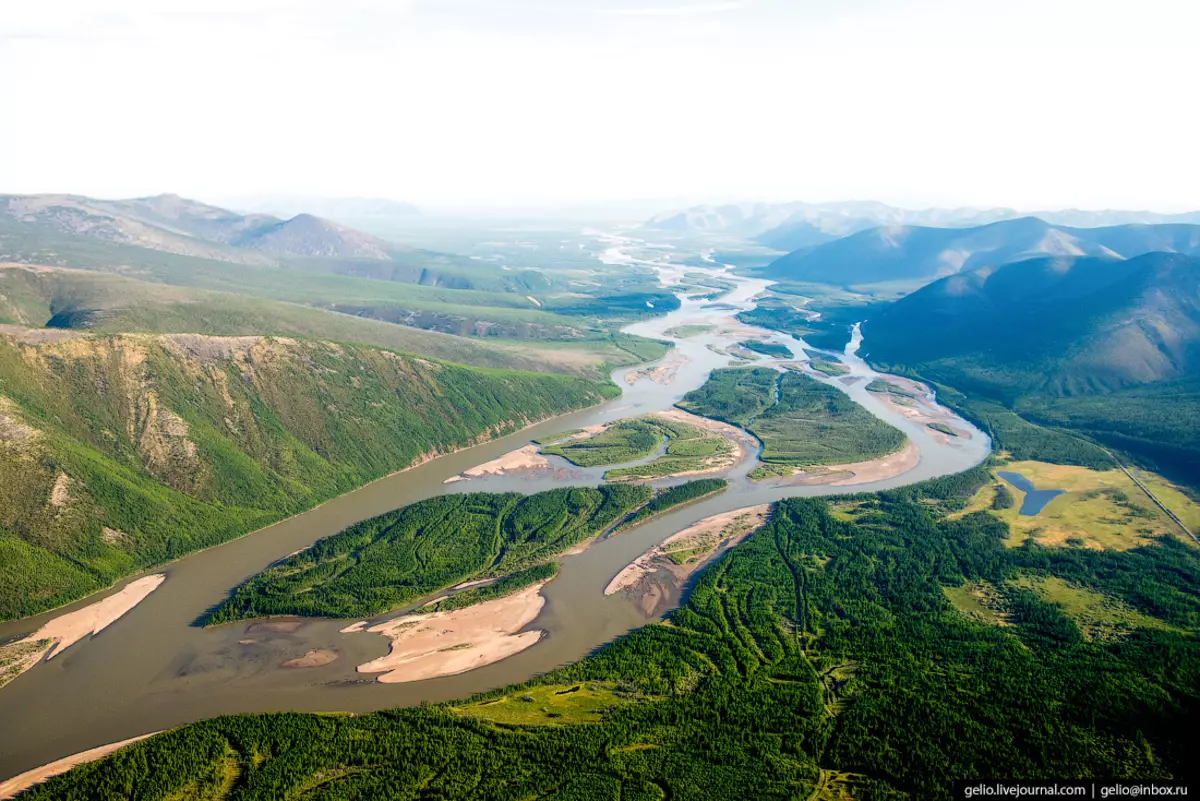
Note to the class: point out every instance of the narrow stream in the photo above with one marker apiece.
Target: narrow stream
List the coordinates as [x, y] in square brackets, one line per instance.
[153, 669]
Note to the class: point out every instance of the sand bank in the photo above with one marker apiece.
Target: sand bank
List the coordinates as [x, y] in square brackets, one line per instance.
[741, 441]
[447, 643]
[65, 630]
[888, 466]
[921, 410]
[19, 784]
[526, 458]
[315, 657]
[661, 374]
[354, 627]
[684, 552]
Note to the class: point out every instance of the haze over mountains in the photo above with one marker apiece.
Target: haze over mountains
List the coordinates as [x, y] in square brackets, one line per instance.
[187, 227]
[922, 254]
[790, 226]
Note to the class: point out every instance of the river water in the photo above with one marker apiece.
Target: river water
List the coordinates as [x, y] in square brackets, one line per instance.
[154, 669]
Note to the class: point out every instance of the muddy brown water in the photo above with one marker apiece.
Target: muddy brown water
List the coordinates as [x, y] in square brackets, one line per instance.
[154, 669]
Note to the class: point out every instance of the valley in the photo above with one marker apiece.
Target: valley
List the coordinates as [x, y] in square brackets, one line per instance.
[184, 673]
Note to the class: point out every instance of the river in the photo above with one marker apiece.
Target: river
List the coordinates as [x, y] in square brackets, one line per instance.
[154, 669]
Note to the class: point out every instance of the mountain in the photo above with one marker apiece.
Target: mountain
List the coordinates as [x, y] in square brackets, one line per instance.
[788, 226]
[791, 226]
[351, 211]
[122, 451]
[922, 254]
[1107, 346]
[308, 236]
[187, 227]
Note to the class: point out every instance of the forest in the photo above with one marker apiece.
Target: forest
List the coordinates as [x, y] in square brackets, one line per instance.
[121, 452]
[824, 646]
[387, 561]
[799, 420]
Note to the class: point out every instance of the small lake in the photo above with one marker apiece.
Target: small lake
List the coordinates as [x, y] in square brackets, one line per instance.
[1035, 499]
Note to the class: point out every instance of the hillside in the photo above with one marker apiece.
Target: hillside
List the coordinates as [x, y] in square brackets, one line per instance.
[1089, 342]
[177, 225]
[921, 254]
[123, 451]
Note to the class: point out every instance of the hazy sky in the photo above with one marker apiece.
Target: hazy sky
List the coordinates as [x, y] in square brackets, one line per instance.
[1028, 103]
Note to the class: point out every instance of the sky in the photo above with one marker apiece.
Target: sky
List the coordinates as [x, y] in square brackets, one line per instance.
[1034, 104]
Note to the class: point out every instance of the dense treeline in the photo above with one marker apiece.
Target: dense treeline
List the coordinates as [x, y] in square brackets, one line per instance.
[507, 585]
[675, 496]
[775, 350]
[390, 560]
[799, 420]
[824, 642]
[121, 452]
[734, 395]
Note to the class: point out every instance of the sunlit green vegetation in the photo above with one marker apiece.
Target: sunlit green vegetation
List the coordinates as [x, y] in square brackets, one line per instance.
[824, 645]
[828, 367]
[621, 442]
[396, 558]
[675, 496]
[685, 331]
[775, 350]
[551, 704]
[124, 452]
[733, 395]
[811, 423]
[690, 449]
[506, 585]
[881, 386]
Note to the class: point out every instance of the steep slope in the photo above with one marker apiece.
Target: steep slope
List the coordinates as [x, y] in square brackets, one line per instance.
[921, 254]
[1109, 346]
[119, 452]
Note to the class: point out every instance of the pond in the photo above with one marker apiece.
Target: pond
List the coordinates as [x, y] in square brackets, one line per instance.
[1035, 499]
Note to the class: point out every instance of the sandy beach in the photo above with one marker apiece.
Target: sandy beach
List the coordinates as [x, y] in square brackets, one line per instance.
[692, 545]
[447, 643]
[10, 788]
[888, 466]
[524, 458]
[65, 630]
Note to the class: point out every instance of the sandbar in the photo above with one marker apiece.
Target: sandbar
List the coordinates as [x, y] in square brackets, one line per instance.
[695, 543]
[315, 657]
[525, 458]
[10, 788]
[65, 630]
[662, 374]
[427, 646]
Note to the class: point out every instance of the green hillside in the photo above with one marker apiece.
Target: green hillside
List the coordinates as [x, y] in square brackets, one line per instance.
[123, 451]
[1109, 347]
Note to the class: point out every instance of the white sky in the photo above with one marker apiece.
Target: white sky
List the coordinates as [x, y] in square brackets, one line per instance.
[1026, 103]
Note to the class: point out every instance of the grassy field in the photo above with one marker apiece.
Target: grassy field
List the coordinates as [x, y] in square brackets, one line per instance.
[549, 704]
[1099, 616]
[829, 368]
[978, 600]
[1101, 509]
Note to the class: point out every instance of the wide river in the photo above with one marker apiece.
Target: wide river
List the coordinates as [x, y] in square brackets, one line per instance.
[154, 669]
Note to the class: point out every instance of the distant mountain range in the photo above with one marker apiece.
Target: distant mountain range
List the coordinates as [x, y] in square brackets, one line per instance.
[922, 254]
[176, 225]
[790, 226]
